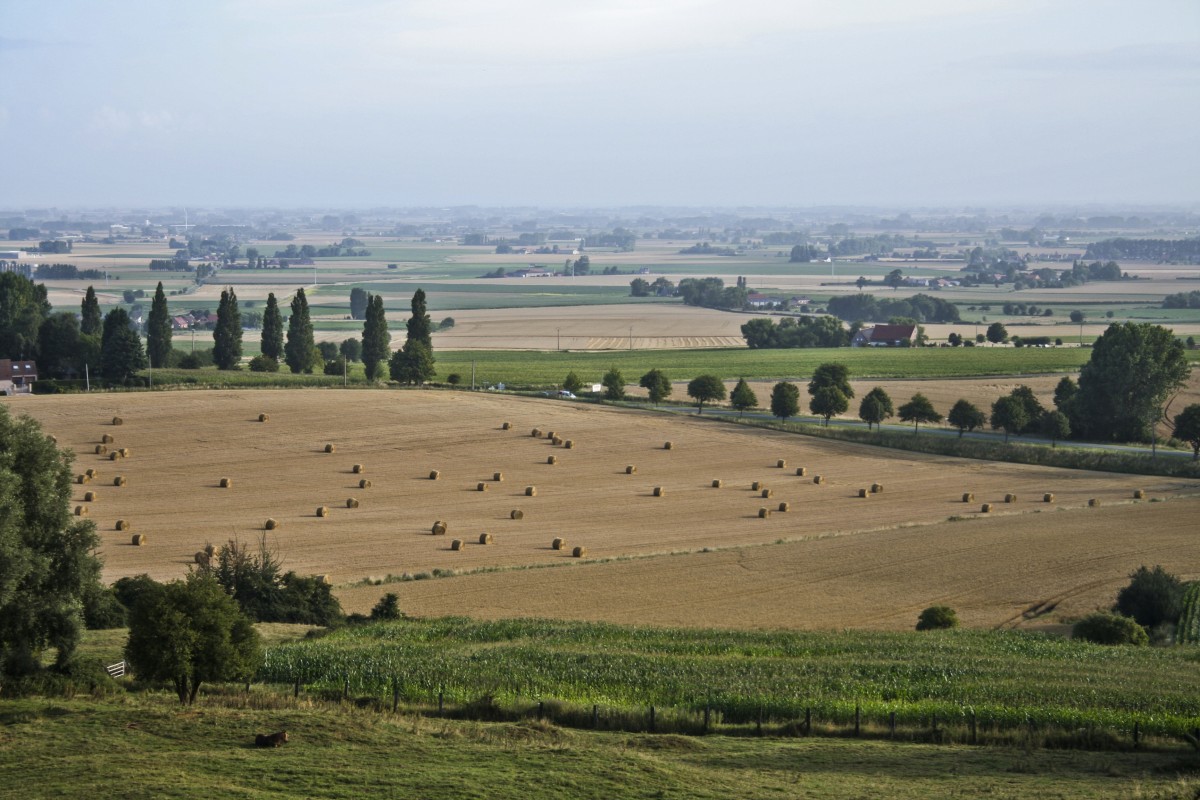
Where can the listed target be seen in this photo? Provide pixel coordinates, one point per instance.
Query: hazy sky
(587, 102)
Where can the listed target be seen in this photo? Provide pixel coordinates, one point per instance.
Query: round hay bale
(271, 524)
(202, 558)
(864, 492)
(107, 439)
(122, 525)
(89, 497)
(326, 579)
(504, 426)
(556, 441)
(138, 540)
(226, 483)
(1094, 502)
(1139, 494)
(330, 448)
(569, 444)
(818, 479)
(986, 508)
(351, 502)
(784, 507)
(968, 497)
(801, 471)
(781, 463)
(531, 491)
(551, 459)
(438, 529)
(264, 417)
(1048, 497)
(876, 488)
(536, 433)
(101, 450)
(211, 550)
(114, 455)
(763, 513)
(552, 436)
(456, 544)
(516, 513)
(497, 476)
(481, 487)
(322, 511)
(1010, 498)
(91, 473)
(485, 538)
(118, 421)
(434, 475)
(558, 544)
(766, 493)
(754, 487)
(579, 552)
(119, 480)
(660, 491)
(358, 469)
(124, 451)
(365, 484)
(82, 479)
(716, 483)
(81, 511)
(668, 446)
(630, 469)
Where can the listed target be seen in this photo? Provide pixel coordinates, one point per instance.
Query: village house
(885, 336)
(17, 376)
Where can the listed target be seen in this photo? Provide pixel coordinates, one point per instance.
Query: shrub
(264, 364)
(388, 607)
(1101, 628)
(454, 379)
(1153, 596)
(102, 610)
(937, 618)
(335, 366)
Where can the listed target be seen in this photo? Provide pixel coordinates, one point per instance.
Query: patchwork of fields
(181, 445)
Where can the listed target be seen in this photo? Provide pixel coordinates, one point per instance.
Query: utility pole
(631, 338)
(87, 377)
(472, 374)
(558, 335)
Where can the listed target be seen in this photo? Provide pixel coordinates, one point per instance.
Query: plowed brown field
(182, 443)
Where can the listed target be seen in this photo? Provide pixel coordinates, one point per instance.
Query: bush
(1101, 628)
(454, 379)
(264, 364)
(388, 607)
(335, 366)
(102, 610)
(937, 618)
(1153, 596)
(197, 360)
(328, 350)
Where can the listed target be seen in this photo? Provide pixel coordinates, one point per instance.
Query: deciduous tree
(412, 364)
(91, 322)
(614, 385)
(376, 340)
(743, 397)
(705, 389)
(158, 330)
(272, 329)
(918, 410)
(1008, 414)
(966, 416)
(299, 352)
(876, 406)
(227, 336)
(785, 400)
(657, 385)
(1187, 428)
(121, 353)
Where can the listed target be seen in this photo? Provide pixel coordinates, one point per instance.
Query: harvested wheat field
(181, 444)
(1035, 571)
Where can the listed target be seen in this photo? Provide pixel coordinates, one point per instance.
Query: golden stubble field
(182, 443)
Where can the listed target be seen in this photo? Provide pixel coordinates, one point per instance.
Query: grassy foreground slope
(145, 745)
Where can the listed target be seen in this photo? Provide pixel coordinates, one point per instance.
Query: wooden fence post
(974, 739)
(857, 718)
(892, 725)
(808, 722)
(441, 702)
(706, 712)
(541, 709)
(595, 716)
(346, 688)
(652, 727)
(296, 691)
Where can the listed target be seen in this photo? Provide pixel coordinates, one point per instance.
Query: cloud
(107, 119)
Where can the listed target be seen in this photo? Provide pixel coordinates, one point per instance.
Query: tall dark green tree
(47, 565)
(1009, 415)
(834, 376)
(876, 407)
(191, 632)
(299, 352)
(158, 330)
(23, 306)
(358, 303)
(227, 336)
(918, 410)
(785, 400)
(827, 402)
(61, 349)
(1054, 425)
(743, 397)
(90, 322)
(272, 329)
(1134, 368)
(614, 384)
(657, 385)
(1187, 428)
(705, 389)
(412, 364)
(121, 353)
(966, 416)
(420, 327)
(376, 340)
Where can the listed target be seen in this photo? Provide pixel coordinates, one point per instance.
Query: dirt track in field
(182, 443)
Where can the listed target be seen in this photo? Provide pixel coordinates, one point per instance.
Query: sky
(576, 103)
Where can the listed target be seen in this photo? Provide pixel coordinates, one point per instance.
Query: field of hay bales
(182, 444)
